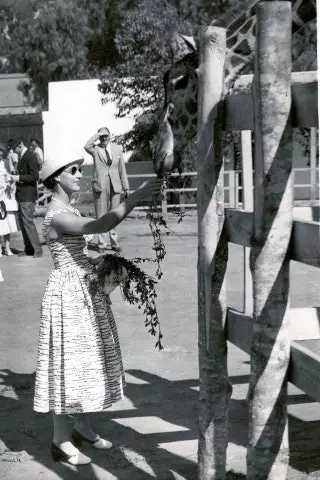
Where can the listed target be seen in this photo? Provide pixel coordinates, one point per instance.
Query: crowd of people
(19, 173)
(20, 167)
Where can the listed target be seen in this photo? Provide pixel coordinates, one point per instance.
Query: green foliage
(52, 46)
(138, 288)
(143, 41)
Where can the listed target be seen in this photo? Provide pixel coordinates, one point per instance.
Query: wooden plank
(243, 84)
(305, 242)
(313, 164)
(304, 325)
(239, 329)
(232, 189)
(304, 91)
(238, 224)
(247, 199)
(304, 366)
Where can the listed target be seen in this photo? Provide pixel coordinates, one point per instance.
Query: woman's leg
(82, 425)
(7, 244)
(62, 428)
(83, 432)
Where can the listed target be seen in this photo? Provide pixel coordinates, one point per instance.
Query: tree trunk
(212, 261)
(267, 456)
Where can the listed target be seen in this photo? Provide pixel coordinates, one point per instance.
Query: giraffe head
(178, 123)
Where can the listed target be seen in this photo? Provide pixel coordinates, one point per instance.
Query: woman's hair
(51, 181)
(11, 143)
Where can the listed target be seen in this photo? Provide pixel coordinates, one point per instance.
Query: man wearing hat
(109, 180)
(26, 195)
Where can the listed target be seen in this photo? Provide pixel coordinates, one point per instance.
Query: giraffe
(178, 123)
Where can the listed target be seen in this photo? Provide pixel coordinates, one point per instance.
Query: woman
(79, 366)
(8, 222)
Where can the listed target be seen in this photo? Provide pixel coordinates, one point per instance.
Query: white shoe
(99, 443)
(8, 252)
(77, 458)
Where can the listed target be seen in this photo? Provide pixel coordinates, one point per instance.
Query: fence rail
(233, 187)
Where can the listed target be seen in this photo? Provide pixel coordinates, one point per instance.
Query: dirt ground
(154, 429)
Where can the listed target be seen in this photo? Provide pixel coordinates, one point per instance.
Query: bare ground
(154, 429)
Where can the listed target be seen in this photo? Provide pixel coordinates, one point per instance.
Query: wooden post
(232, 179)
(164, 204)
(247, 198)
(267, 454)
(212, 260)
(313, 163)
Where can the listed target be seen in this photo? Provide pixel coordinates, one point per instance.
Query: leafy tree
(12, 15)
(53, 46)
(142, 39)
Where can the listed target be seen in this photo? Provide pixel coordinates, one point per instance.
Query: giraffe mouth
(164, 151)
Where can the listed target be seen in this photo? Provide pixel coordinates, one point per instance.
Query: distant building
(18, 118)
(12, 99)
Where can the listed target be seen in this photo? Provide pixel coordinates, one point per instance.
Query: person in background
(8, 223)
(12, 158)
(35, 148)
(26, 195)
(79, 364)
(109, 180)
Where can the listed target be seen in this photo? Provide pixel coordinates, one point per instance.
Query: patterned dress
(79, 365)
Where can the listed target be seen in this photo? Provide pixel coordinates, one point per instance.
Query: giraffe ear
(182, 45)
(190, 41)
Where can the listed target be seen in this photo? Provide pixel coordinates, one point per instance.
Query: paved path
(154, 430)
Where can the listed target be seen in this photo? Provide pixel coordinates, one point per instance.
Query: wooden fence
(271, 104)
(232, 187)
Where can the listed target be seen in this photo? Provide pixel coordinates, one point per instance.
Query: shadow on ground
(138, 452)
(160, 420)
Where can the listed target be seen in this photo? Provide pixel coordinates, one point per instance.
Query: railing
(233, 190)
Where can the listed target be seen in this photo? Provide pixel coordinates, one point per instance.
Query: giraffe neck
(241, 31)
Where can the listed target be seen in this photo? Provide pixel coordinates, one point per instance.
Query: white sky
(75, 113)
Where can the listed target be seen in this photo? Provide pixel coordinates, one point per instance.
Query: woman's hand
(96, 260)
(149, 188)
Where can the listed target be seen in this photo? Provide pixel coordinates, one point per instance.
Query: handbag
(3, 210)
(11, 204)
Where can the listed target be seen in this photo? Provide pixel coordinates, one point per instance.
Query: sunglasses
(74, 170)
(104, 137)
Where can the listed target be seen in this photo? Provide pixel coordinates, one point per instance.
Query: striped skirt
(79, 364)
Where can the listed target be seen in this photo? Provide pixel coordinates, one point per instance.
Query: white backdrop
(75, 114)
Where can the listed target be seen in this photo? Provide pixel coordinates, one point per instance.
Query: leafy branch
(137, 288)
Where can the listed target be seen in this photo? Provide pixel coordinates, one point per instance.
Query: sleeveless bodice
(68, 251)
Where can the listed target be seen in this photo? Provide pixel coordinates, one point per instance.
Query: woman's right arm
(67, 223)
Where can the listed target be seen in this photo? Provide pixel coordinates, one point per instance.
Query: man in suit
(35, 148)
(108, 182)
(26, 195)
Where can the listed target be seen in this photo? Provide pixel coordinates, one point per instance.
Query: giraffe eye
(181, 82)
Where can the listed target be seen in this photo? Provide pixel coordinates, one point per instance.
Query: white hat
(52, 165)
